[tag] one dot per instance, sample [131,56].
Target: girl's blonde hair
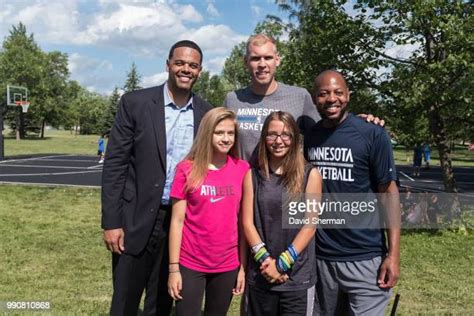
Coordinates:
[202,150]
[293,163]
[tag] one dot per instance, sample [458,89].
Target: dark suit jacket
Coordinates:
[135,166]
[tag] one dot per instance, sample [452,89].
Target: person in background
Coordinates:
[427,155]
[417,158]
[101,148]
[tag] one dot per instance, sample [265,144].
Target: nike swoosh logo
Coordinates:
[213,200]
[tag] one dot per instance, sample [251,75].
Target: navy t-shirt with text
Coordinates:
[353,157]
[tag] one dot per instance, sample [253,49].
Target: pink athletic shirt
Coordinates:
[210,230]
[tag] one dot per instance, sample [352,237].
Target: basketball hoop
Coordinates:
[24,105]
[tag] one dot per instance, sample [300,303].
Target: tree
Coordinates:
[92,111]
[434,83]
[201,87]
[45,75]
[133,79]
[325,37]
[420,94]
[210,88]
[111,110]
[234,71]
[71,111]
[53,96]
[217,91]
[21,63]
[87,111]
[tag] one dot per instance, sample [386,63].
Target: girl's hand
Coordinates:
[240,284]
[270,272]
[283,278]
[175,285]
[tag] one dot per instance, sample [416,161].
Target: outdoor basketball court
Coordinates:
[75,170]
[431,180]
[54,170]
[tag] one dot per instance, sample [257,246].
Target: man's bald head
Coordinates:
[326,76]
[331,96]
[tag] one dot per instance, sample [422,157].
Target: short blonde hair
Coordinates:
[258,40]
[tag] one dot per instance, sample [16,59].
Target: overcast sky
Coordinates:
[102,38]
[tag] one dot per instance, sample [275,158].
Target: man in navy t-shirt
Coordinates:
[356,269]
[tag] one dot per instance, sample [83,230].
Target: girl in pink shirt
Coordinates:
[204,232]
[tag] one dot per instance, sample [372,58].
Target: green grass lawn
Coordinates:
[55,142]
[51,250]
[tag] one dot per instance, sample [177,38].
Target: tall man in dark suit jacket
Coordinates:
[153,131]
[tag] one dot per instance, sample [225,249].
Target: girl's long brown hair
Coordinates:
[293,163]
[201,152]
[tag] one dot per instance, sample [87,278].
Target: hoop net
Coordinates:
[24,105]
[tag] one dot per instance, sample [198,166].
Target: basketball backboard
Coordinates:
[16,94]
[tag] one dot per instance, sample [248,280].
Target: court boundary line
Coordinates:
[45,167]
[33,184]
[69,160]
[48,174]
[404,174]
[34,158]
[440,182]
[436,190]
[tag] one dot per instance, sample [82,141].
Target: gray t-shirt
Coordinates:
[252,109]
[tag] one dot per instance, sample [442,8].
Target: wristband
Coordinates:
[264,257]
[261,255]
[257,247]
[279,267]
[293,252]
[286,259]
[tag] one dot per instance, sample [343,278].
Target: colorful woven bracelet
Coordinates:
[287,259]
[293,252]
[264,257]
[261,255]
[282,264]
[279,266]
